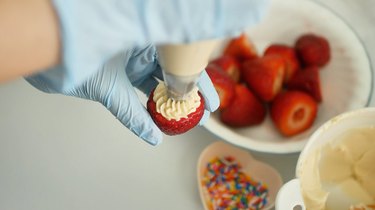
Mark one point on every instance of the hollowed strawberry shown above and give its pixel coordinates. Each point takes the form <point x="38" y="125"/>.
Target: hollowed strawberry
<point x="241" y="48"/>
<point x="246" y="109"/>
<point x="307" y="80"/>
<point x="223" y="84"/>
<point x="293" y="112"/>
<point x="313" y="50"/>
<point x="229" y="65"/>
<point x="289" y="55"/>
<point x="264" y="76"/>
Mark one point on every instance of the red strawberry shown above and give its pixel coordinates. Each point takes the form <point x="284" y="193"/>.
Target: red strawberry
<point x="307" y="80"/>
<point x="223" y="84"/>
<point x="289" y="55"/>
<point x="174" y="127"/>
<point x="313" y="50"/>
<point x="293" y="112"/>
<point x="241" y="48"/>
<point x="264" y="75"/>
<point x="228" y="64"/>
<point x="246" y="109"/>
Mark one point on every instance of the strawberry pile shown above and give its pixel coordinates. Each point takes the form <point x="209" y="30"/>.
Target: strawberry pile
<point x="284" y="81"/>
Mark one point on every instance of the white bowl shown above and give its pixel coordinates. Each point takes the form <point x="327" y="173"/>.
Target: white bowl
<point x="257" y="170"/>
<point x="347" y="81"/>
<point x="290" y="194"/>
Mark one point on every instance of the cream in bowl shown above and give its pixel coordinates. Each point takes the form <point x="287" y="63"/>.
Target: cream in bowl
<point x="336" y="169"/>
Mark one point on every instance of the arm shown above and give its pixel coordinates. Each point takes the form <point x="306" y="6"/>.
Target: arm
<point x="29" y="37"/>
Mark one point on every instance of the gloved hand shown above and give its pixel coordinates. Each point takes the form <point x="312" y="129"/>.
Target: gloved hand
<point x="94" y="31"/>
<point x="113" y="85"/>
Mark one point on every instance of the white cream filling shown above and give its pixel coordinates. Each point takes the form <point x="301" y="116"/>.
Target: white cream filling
<point x="175" y="109"/>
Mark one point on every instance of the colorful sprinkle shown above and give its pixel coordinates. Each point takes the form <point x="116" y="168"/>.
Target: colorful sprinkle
<point x="228" y="188"/>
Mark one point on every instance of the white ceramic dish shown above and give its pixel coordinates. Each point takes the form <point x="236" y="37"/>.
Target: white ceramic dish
<point x="259" y="171"/>
<point x="347" y="81"/>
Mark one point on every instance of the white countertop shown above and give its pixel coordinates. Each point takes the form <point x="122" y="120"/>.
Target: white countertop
<point x="59" y="152"/>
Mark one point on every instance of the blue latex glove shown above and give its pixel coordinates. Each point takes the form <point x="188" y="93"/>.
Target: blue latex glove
<point x="113" y="85"/>
<point x="93" y="31"/>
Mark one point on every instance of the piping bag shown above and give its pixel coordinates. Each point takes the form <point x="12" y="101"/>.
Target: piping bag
<point x="182" y="65"/>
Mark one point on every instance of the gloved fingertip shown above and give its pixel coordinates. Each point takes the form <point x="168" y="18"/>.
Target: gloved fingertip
<point x="154" y="141"/>
<point x="212" y="101"/>
<point x="209" y="93"/>
<point x="152" y="136"/>
<point x="204" y="118"/>
<point x="124" y="104"/>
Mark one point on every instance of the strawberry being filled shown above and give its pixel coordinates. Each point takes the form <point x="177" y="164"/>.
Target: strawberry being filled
<point x="175" y="117"/>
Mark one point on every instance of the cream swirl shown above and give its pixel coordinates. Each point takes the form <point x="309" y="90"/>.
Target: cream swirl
<point x="175" y="109"/>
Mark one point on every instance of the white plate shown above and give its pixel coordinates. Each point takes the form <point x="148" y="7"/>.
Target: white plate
<point x="257" y="170"/>
<point x="347" y="81"/>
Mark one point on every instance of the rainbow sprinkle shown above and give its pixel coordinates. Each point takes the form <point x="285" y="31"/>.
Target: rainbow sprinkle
<point x="228" y="188"/>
